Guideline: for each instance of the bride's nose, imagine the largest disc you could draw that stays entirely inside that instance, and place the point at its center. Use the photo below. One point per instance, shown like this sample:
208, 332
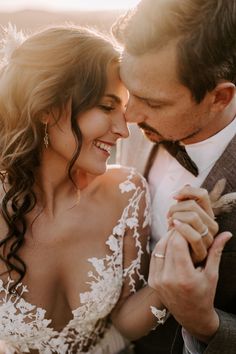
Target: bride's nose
119, 125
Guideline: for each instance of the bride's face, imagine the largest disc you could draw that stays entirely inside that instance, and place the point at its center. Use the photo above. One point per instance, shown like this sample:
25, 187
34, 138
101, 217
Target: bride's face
100, 126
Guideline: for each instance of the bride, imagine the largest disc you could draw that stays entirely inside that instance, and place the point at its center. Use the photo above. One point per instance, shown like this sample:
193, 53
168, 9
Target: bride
74, 233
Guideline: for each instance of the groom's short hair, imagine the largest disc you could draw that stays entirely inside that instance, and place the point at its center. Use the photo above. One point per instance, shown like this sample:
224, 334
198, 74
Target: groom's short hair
204, 32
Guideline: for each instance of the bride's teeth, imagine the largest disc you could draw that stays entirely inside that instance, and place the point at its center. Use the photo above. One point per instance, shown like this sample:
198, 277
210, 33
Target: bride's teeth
103, 146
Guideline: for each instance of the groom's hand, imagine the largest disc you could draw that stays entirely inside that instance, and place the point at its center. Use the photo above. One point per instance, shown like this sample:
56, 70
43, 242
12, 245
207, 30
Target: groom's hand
186, 291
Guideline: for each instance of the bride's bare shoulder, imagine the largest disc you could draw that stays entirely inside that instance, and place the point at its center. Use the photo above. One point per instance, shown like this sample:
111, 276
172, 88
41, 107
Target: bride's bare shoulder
119, 179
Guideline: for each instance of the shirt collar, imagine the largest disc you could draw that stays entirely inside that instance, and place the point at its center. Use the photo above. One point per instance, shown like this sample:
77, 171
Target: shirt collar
207, 152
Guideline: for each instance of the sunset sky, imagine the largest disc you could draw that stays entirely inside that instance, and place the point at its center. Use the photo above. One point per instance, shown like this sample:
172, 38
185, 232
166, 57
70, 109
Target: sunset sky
66, 5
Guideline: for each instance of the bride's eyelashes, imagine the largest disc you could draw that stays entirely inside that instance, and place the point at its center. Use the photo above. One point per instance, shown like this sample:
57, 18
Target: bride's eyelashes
106, 108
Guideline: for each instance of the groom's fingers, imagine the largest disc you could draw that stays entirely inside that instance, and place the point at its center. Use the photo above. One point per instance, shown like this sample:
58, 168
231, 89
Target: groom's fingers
157, 261
178, 258
160, 249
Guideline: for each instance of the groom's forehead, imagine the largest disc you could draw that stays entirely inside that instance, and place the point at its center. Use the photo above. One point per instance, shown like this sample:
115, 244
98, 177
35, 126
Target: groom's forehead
146, 83
160, 65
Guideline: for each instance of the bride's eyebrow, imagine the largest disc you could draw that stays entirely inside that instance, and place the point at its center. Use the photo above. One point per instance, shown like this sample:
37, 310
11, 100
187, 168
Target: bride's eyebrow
114, 97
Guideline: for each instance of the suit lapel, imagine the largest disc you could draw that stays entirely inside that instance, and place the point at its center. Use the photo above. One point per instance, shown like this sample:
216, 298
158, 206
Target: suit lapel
225, 167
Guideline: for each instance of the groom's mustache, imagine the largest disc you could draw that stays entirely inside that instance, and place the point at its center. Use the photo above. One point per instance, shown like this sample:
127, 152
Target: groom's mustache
148, 128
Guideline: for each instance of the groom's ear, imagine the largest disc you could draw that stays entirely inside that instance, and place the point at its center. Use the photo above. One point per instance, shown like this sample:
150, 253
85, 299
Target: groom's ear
222, 95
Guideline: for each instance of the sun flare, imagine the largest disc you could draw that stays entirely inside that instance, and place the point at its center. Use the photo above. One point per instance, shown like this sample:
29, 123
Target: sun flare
69, 5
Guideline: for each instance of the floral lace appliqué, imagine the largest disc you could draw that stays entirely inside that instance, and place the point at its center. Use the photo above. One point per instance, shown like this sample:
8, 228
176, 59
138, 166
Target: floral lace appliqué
24, 325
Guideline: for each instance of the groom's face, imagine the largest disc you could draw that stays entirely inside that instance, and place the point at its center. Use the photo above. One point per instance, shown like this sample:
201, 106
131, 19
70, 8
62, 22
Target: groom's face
159, 103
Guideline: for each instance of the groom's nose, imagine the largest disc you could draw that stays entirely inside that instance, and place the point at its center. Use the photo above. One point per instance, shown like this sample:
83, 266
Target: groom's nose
134, 112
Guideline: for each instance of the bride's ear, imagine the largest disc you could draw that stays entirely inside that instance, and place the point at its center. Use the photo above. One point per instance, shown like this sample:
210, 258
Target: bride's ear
222, 95
45, 117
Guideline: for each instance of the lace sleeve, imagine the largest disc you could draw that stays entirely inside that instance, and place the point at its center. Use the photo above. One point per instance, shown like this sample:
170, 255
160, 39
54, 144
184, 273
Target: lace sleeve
136, 238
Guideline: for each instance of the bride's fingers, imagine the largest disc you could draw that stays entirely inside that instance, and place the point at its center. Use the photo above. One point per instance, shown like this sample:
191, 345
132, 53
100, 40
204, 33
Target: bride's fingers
200, 195
206, 229
195, 240
194, 211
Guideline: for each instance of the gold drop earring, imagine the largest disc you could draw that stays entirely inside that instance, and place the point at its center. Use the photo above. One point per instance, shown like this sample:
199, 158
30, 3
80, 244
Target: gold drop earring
46, 136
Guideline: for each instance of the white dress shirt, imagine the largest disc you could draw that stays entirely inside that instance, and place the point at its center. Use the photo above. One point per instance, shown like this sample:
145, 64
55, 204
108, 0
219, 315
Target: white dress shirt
167, 176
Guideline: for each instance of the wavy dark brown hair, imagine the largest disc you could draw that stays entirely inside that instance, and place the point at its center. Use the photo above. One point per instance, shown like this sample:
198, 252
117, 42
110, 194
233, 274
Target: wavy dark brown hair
44, 72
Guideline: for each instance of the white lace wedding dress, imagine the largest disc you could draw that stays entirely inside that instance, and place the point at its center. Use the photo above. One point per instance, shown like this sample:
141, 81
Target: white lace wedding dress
25, 327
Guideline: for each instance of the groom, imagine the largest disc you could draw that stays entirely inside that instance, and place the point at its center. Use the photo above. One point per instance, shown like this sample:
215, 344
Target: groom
179, 64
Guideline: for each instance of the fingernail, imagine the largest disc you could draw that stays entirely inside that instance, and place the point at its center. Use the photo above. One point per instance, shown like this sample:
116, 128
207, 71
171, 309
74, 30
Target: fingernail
177, 222
176, 197
174, 193
229, 234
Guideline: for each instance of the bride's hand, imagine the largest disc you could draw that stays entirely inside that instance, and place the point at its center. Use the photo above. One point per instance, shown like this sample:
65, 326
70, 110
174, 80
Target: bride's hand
192, 216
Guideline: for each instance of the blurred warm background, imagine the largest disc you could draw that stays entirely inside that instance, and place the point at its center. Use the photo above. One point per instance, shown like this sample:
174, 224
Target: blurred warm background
33, 14
30, 19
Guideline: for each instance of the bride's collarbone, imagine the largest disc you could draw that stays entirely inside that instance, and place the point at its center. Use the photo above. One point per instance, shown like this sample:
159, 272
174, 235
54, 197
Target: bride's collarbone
78, 221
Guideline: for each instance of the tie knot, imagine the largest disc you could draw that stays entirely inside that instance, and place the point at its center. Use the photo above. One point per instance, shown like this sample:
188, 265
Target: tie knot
173, 147
179, 152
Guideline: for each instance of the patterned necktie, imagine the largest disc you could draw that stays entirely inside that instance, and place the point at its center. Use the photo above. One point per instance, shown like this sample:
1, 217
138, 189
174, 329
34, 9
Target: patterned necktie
180, 154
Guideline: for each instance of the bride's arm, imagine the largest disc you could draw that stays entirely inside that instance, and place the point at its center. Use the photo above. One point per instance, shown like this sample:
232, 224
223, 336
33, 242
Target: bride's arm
132, 315
6, 348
